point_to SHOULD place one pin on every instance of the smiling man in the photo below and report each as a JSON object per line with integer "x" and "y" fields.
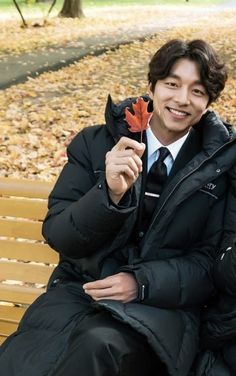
{"x": 179, "y": 101}
{"x": 137, "y": 225}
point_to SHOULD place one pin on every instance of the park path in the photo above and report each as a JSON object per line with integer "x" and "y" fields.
{"x": 16, "y": 69}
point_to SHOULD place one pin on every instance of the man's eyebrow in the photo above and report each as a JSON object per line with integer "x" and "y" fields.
{"x": 173, "y": 75}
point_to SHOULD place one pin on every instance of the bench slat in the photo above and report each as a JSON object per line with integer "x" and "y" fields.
{"x": 25, "y": 272}
{"x": 25, "y": 188}
{"x": 25, "y": 251}
{"x": 21, "y": 229}
{"x": 23, "y": 208}
{"x": 2, "y": 338}
{"x": 19, "y": 294}
{"x": 11, "y": 314}
{"x": 9, "y": 320}
{"x": 7, "y": 328}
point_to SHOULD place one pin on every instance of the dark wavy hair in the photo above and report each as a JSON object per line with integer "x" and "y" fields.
{"x": 212, "y": 72}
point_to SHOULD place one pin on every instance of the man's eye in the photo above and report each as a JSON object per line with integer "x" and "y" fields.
{"x": 198, "y": 92}
{"x": 171, "y": 84}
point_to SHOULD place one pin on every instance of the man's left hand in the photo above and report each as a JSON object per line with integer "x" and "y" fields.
{"x": 122, "y": 287}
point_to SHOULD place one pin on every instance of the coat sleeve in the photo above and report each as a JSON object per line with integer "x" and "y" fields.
{"x": 81, "y": 218}
{"x": 225, "y": 271}
{"x": 184, "y": 281}
{"x": 225, "y": 265}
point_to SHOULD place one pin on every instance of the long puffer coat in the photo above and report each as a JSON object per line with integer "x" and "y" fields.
{"x": 172, "y": 262}
{"x": 218, "y": 356}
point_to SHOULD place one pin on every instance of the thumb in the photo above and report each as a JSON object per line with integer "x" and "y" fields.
{"x": 141, "y": 150}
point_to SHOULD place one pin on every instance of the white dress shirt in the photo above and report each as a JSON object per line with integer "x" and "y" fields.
{"x": 154, "y": 144}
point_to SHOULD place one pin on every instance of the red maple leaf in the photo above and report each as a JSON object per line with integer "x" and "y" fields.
{"x": 138, "y": 121}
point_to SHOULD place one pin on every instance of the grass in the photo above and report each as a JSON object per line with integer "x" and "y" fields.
{"x": 8, "y": 6}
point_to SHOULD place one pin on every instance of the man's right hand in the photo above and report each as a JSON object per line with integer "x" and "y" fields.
{"x": 123, "y": 166}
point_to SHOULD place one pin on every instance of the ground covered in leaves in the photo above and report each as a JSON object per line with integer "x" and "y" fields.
{"x": 59, "y": 32}
{"x": 39, "y": 118}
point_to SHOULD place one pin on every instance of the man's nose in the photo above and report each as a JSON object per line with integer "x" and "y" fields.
{"x": 182, "y": 96}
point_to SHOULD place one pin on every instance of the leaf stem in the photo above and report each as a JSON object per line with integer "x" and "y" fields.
{"x": 141, "y": 136}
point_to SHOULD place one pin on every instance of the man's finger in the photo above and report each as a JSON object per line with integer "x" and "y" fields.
{"x": 126, "y": 142}
{"x": 100, "y": 293}
{"x": 99, "y": 284}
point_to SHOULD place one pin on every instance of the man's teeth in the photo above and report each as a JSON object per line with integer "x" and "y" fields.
{"x": 178, "y": 112}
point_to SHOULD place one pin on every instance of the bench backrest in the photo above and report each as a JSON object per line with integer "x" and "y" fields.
{"x": 26, "y": 262}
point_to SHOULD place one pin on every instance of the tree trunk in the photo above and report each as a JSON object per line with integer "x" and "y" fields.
{"x": 71, "y": 8}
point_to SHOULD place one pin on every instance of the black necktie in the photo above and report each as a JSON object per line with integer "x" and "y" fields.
{"x": 156, "y": 179}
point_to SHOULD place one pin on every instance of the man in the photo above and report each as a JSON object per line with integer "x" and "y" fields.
{"x": 137, "y": 226}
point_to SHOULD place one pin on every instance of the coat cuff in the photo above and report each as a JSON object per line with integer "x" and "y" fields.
{"x": 141, "y": 281}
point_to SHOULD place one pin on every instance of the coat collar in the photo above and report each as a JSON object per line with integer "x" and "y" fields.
{"x": 213, "y": 132}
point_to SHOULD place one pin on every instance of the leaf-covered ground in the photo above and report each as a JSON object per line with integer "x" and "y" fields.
{"x": 112, "y": 20}
{"x": 38, "y": 118}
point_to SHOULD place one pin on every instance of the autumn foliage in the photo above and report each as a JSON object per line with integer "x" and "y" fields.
{"x": 39, "y": 118}
{"x": 138, "y": 120}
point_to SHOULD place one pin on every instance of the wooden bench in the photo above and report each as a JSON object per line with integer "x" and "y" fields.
{"x": 26, "y": 262}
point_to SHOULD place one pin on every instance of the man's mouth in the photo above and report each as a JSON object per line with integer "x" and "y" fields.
{"x": 178, "y": 112}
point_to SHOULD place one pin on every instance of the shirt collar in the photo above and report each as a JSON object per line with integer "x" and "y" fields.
{"x": 154, "y": 144}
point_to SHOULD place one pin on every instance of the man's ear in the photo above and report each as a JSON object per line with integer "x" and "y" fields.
{"x": 150, "y": 93}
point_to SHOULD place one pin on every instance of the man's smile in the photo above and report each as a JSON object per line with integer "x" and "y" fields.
{"x": 177, "y": 112}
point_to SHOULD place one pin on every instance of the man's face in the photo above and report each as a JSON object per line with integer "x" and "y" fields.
{"x": 179, "y": 101}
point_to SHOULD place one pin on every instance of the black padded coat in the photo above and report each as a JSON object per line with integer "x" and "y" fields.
{"x": 218, "y": 355}
{"x": 172, "y": 262}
